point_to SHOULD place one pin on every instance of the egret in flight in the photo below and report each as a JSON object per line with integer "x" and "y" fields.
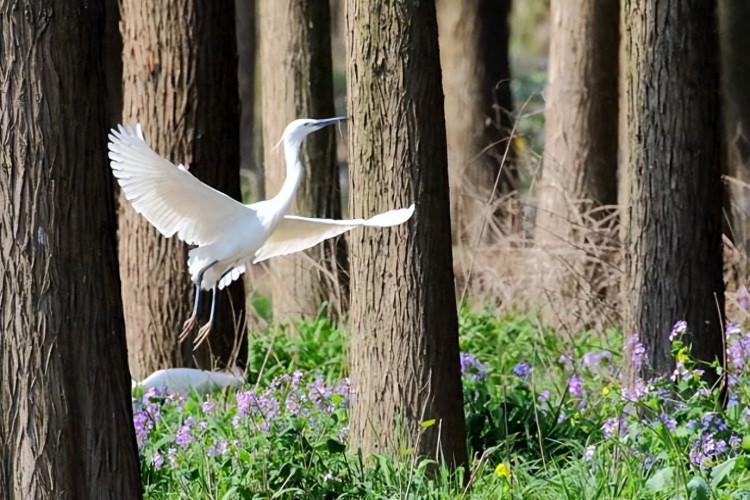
{"x": 229, "y": 235}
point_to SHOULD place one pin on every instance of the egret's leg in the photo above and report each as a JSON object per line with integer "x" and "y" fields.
{"x": 206, "y": 329}
{"x": 188, "y": 326}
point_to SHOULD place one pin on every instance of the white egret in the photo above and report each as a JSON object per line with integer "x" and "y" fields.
{"x": 229, "y": 235}
{"x": 186, "y": 380}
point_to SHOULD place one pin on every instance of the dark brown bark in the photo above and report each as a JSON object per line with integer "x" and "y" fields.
{"x": 580, "y": 133}
{"x": 404, "y": 349}
{"x": 474, "y": 36}
{"x": 180, "y": 83}
{"x": 734, "y": 18}
{"x": 66, "y": 422}
{"x": 297, "y": 82}
{"x": 673, "y": 215}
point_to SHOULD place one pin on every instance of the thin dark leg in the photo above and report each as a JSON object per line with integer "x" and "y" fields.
{"x": 206, "y": 329}
{"x": 188, "y": 326}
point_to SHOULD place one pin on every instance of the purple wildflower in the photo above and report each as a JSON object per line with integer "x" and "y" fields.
{"x": 143, "y": 424}
{"x": 733, "y": 400}
{"x": 172, "y": 457}
{"x": 637, "y": 352}
{"x": 157, "y": 459}
{"x": 678, "y": 330}
{"x": 184, "y": 433}
{"x": 522, "y": 370}
{"x": 220, "y": 448}
{"x": 636, "y": 391}
{"x": 588, "y": 453}
{"x": 151, "y": 393}
{"x": 471, "y": 367}
{"x": 575, "y": 386}
{"x": 592, "y": 359}
{"x": 669, "y": 422}
{"x": 208, "y": 407}
{"x": 613, "y": 426}
{"x": 543, "y": 396}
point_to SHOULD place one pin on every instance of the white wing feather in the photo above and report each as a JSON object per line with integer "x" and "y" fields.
{"x": 168, "y": 196}
{"x": 294, "y": 234}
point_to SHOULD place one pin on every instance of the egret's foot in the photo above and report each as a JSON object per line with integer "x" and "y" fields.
{"x": 202, "y": 334}
{"x": 188, "y": 327}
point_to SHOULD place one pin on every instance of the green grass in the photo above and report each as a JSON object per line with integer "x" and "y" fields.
{"x": 547, "y": 418}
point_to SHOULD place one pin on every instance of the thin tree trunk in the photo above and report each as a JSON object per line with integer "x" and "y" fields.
{"x": 474, "y": 36}
{"x": 180, "y": 83}
{"x": 66, "y": 422}
{"x": 404, "y": 349}
{"x": 297, "y": 82}
{"x": 673, "y": 216}
{"x": 580, "y": 133}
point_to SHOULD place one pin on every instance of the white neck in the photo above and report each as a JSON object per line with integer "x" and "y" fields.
{"x": 294, "y": 170}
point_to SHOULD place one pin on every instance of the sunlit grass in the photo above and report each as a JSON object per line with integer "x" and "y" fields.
{"x": 547, "y": 418}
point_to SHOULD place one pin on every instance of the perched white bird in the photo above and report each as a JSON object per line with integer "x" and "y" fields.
{"x": 229, "y": 235}
{"x": 186, "y": 380}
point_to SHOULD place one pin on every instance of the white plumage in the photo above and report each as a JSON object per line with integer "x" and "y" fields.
{"x": 186, "y": 380}
{"x": 230, "y": 236}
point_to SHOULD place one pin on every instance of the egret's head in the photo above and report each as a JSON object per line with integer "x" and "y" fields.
{"x": 298, "y": 129}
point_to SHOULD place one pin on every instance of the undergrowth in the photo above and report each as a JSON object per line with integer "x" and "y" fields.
{"x": 547, "y": 418}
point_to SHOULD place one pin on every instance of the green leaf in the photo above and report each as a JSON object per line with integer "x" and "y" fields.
{"x": 427, "y": 423}
{"x": 698, "y": 489}
{"x": 334, "y": 446}
{"x": 721, "y": 471}
{"x": 661, "y": 481}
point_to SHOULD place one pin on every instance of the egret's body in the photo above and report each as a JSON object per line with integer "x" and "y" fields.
{"x": 186, "y": 380}
{"x": 229, "y": 235}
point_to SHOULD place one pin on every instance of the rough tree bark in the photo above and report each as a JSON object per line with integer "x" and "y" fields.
{"x": 404, "y": 349}
{"x": 474, "y": 36}
{"x": 580, "y": 132}
{"x": 734, "y": 16}
{"x": 180, "y": 83}
{"x": 297, "y": 82}
{"x": 672, "y": 219}
{"x": 66, "y": 422}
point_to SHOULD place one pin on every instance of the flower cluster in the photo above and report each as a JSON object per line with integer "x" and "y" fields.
{"x": 262, "y": 411}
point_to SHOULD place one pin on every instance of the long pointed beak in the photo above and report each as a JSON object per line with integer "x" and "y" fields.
{"x": 329, "y": 121}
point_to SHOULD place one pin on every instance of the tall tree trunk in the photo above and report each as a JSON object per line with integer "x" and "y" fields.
{"x": 580, "y": 133}
{"x": 673, "y": 215}
{"x": 180, "y": 83}
{"x": 66, "y": 421}
{"x": 474, "y": 37}
{"x": 297, "y": 82}
{"x": 404, "y": 349}
{"x": 580, "y": 154}
{"x": 734, "y": 16}
{"x": 250, "y": 142}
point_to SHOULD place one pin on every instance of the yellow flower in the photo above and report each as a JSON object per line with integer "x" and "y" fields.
{"x": 682, "y": 355}
{"x": 605, "y": 390}
{"x": 502, "y": 470}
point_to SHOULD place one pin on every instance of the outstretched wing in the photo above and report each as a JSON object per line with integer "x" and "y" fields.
{"x": 168, "y": 196}
{"x": 294, "y": 234}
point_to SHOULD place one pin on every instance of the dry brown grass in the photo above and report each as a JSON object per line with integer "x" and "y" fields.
{"x": 571, "y": 285}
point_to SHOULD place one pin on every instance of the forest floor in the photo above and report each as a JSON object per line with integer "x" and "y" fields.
{"x": 547, "y": 418}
